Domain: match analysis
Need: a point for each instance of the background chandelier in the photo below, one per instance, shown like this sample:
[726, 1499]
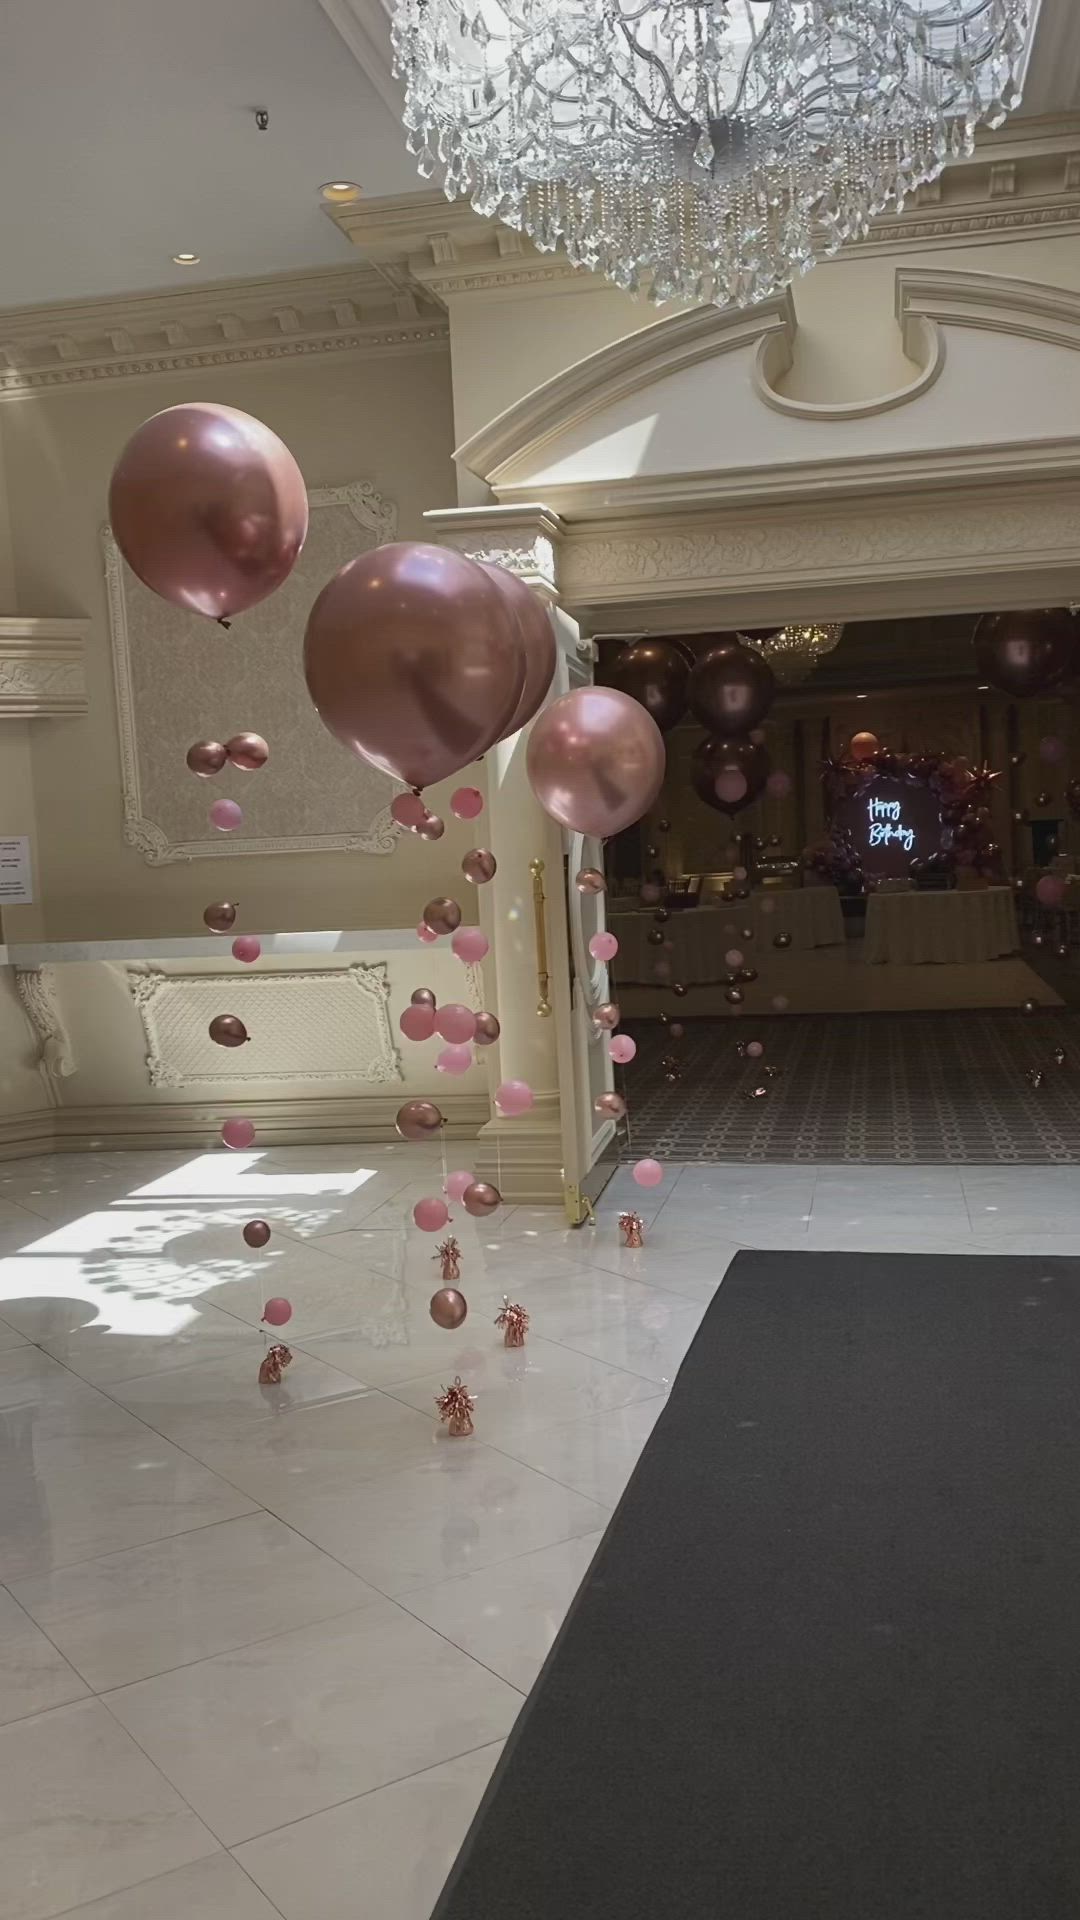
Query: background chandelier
[699, 149]
[794, 652]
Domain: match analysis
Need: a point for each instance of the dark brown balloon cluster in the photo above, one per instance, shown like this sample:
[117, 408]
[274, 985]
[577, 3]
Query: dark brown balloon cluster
[1028, 651]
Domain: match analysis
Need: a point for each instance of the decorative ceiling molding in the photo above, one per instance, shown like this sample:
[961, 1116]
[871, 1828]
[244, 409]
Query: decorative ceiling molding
[42, 674]
[992, 302]
[354, 310]
[628, 366]
[924, 343]
[364, 25]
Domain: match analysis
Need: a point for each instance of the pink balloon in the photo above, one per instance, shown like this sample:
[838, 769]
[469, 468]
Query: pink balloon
[238, 1133]
[780, 1002]
[514, 1097]
[778, 784]
[733, 959]
[226, 816]
[455, 1183]
[408, 809]
[651, 895]
[536, 637]
[417, 1023]
[754, 1049]
[245, 947]
[662, 969]
[595, 760]
[603, 946]
[622, 1048]
[1050, 890]
[431, 1214]
[466, 802]
[730, 785]
[648, 1173]
[469, 944]
[455, 1023]
[454, 1060]
[276, 1312]
[412, 660]
[739, 873]
[208, 507]
[424, 933]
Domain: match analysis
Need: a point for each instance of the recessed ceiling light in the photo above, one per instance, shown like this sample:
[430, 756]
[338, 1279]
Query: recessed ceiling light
[338, 190]
[185, 259]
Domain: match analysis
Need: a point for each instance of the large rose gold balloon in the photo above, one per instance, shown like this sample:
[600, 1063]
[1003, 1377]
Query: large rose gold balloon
[731, 687]
[442, 915]
[227, 1030]
[248, 751]
[536, 636]
[220, 917]
[413, 661]
[487, 1030]
[418, 1120]
[656, 674]
[206, 758]
[208, 507]
[595, 760]
[481, 1198]
[448, 1308]
[479, 866]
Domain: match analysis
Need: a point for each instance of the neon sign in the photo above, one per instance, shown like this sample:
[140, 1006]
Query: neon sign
[887, 826]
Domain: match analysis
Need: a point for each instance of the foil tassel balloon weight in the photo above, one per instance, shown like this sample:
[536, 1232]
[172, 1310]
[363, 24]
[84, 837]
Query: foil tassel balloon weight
[273, 1364]
[513, 1322]
[209, 508]
[632, 1228]
[456, 1408]
[449, 1255]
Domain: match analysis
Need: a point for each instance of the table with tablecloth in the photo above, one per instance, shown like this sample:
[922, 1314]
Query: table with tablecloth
[905, 929]
[701, 936]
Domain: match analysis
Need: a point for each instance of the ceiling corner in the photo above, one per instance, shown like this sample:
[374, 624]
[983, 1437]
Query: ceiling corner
[364, 25]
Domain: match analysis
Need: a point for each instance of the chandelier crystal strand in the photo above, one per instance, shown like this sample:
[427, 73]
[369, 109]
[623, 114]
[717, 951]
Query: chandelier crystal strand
[704, 150]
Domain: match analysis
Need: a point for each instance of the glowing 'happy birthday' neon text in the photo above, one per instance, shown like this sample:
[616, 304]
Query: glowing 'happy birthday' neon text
[887, 826]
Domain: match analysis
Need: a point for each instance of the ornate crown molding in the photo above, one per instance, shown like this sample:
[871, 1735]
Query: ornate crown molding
[523, 539]
[233, 323]
[41, 668]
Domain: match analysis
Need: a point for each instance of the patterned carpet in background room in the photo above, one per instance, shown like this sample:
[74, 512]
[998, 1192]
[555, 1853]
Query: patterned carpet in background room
[909, 1087]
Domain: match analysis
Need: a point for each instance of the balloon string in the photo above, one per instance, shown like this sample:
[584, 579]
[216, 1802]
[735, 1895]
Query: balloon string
[222, 622]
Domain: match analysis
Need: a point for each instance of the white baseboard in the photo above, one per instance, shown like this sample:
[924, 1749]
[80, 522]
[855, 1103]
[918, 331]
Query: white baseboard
[197, 1124]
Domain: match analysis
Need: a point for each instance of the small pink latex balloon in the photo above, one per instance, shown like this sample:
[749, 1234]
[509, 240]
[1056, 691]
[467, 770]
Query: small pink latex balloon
[1050, 890]
[651, 894]
[754, 1049]
[238, 1133]
[778, 784]
[424, 933]
[226, 816]
[408, 809]
[603, 946]
[455, 1023]
[466, 802]
[733, 959]
[648, 1173]
[417, 1023]
[455, 1183]
[514, 1097]
[622, 1048]
[277, 1311]
[470, 944]
[431, 1214]
[245, 947]
[730, 786]
[780, 1002]
[454, 1060]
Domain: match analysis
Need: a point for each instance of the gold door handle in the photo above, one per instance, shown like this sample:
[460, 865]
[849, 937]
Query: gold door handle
[543, 982]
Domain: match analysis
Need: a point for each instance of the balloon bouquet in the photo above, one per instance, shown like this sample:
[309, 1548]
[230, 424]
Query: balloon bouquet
[417, 659]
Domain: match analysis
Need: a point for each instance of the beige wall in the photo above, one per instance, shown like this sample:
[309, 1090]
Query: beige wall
[384, 420]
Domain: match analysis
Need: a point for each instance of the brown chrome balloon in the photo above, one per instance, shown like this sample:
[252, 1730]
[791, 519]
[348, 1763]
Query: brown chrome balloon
[418, 1120]
[206, 758]
[442, 915]
[227, 1030]
[220, 917]
[248, 751]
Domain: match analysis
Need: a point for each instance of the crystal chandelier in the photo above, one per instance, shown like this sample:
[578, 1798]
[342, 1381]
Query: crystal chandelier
[703, 150]
[794, 652]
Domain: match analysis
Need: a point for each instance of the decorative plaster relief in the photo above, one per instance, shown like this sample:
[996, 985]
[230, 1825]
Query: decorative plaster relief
[36, 988]
[310, 1026]
[179, 678]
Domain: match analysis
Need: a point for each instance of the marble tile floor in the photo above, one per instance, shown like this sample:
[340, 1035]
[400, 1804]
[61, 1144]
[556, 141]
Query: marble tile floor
[260, 1648]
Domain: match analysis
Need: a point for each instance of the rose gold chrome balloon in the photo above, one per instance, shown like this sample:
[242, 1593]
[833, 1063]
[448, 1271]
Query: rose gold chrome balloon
[448, 1308]
[537, 639]
[606, 1016]
[423, 997]
[418, 1120]
[248, 751]
[208, 507]
[442, 915]
[612, 1105]
[206, 758]
[413, 661]
[590, 880]
[256, 1233]
[431, 827]
[479, 866]
[220, 917]
[227, 1030]
[487, 1030]
[481, 1198]
[595, 760]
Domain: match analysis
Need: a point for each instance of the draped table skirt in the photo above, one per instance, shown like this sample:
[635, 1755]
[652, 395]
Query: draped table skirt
[701, 936]
[906, 929]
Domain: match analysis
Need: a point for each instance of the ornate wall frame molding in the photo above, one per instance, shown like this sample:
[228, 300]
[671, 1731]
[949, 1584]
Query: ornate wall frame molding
[36, 988]
[378, 517]
[42, 673]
